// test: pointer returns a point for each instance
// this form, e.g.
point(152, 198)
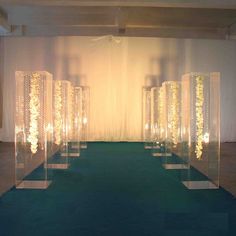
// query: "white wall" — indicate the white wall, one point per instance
point(115, 69)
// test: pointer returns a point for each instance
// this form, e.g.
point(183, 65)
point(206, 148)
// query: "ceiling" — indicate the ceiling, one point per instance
point(169, 18)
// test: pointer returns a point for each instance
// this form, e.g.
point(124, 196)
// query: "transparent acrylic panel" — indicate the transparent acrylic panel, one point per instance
point(154, 118)
point(201, 129)
point(77, 118)
point(160, 144)
point(60, 125)
point(33, 128)
point(71, 113)
point(146, 117)
point(172, 91)
point(75, 151)
point(85, 116)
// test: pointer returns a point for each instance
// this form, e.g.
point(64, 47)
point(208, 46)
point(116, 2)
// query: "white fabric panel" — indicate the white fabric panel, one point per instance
point(115, 69)
point(1, 80)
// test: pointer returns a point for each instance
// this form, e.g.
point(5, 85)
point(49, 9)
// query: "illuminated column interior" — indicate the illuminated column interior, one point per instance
point(33, 126)
point(85, 116)
point(200, 128)
point(173, 99)
point(57, 95)
point(146, 117)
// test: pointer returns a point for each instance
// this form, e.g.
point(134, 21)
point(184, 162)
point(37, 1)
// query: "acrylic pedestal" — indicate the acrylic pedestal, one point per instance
point(146, 117)
point(171, 95)
point(61, 120)
point(57, 160)
point(85, 117)
point(73, 150)
point(159, 150)
point(33, 129)
point(200, 125)
point(75, 145)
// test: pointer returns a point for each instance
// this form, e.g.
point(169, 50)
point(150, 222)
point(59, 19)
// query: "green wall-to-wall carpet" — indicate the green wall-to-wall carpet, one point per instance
point(117, 189)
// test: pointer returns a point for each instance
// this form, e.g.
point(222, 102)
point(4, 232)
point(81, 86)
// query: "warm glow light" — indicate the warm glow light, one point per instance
point(18, 129)
point(162, 130)
point(199, 116)
point(206, 137)
point(85, 120)
point(34, 109)
point(49, 128)
point(160, 108)
point(71, 114)
point(57, 110)
point(174, 111)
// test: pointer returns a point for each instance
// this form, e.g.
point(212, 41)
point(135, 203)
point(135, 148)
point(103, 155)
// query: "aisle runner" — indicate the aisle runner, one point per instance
point(117, 189)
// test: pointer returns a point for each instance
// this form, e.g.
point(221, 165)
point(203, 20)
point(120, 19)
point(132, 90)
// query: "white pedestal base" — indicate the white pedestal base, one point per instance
point(72, 154)
point(34, 184)
point(83, 146)
point(57, 166)
point(200, 185)
point(175, 166)
point(160, 154)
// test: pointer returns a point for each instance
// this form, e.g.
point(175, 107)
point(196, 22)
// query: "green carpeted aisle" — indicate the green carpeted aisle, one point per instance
point(117, 189)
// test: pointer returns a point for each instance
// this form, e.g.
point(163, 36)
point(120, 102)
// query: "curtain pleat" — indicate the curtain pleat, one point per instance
point(116, 69)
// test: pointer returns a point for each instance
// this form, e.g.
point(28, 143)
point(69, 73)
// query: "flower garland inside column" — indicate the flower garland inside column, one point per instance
point(57, 110)
point(34, 109)
point(174, 111)
point(71, 111)
point(199, 116)
point(160, 107)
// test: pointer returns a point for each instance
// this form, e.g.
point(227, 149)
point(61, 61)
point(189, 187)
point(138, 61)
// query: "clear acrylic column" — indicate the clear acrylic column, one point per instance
point(75, 107)
point(160, 142)
point(201, 130)
point(172, 91)
point(85, 117)
point(60, 125)
point(65, 121)
point(146, 117)
point(154, 120)
point(33, 129)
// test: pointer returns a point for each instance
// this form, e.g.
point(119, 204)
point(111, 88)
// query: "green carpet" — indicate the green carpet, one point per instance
point(117, 189)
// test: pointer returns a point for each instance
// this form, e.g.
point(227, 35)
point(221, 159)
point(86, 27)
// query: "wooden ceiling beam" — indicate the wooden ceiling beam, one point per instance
point(164, 32)
point(224, 4)
point(79, 19)
point(122, 16)
point(71, 17)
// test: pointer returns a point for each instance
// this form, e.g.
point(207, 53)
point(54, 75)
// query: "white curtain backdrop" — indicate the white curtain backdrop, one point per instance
point(115, 69)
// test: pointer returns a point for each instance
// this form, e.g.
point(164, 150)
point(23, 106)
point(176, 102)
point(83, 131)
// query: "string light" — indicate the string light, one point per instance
point(71, 110)
point(34, 109)
point(199, 117)
point(174, 112)
point(58, 110)
point(206, 138)
point(146, 126)
point(160, 108)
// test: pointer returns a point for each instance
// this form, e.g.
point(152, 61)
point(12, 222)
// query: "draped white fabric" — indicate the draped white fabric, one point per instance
point(115, 69)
